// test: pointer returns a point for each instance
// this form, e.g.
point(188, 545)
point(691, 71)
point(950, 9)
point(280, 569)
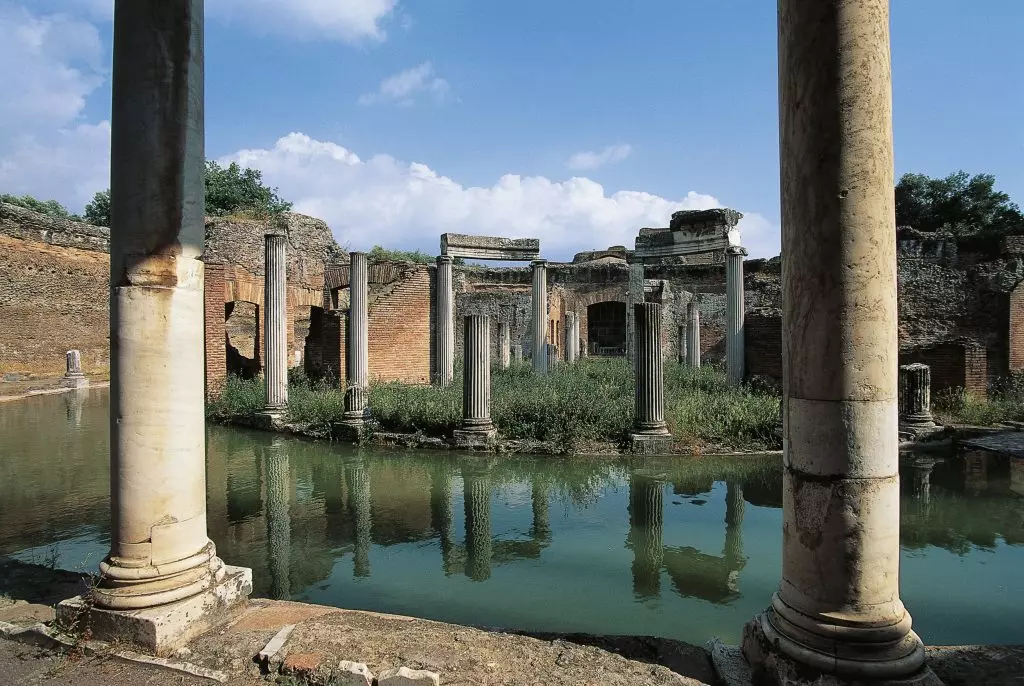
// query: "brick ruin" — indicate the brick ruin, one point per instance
point(961, 305)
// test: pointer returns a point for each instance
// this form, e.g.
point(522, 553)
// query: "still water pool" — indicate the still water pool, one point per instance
point(685, 548)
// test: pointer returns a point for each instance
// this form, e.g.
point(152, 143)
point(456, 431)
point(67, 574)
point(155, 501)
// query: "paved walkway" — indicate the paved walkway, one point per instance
point(1008, 442)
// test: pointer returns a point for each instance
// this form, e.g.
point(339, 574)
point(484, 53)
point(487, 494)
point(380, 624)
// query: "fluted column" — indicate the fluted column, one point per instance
point(275, 322)
point(693, 335)
point(734, 339)
point(838, 608)
point(445, 330)
point(279, 523)
point(569, 331)
point(358, 480)
point(477, 502)
point(635, 296)
point(650, 378)
point(915, 403)
point(159, 552)
point(646, 524)
point(504, 345)
point(476, 379)
point(357, 358)
point(73, 376)
point(540, 316)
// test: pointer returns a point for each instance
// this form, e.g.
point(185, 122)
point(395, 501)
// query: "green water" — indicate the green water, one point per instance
point(682, 548)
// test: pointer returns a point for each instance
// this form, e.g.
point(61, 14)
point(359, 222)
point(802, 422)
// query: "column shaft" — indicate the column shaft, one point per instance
point(650, 378)
point(570, 337)
point(838, 608)
point(504, 345)
point(160, 551)
point(275, 322)
point(540, 316)
point(734, 343)
point(445, 330)
point(358, 354)
point(915, 382)
point(634, 296)
point(476, 384)
point(693, 335)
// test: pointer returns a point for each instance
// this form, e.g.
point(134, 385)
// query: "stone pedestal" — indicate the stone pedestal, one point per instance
point(692, 335)
point(477, 428)
point(275, 324)
point(915, 396)
point(504, 345)
point(540, 316)
point(162, 582)
point(73, 377)
point(650, 433)
point(837, 616)
point(571, 337)
point(358, 355)
point(734, 344)
point(445, 332)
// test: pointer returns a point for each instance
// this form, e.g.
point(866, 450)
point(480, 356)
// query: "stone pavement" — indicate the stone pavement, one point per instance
point(1008, 442)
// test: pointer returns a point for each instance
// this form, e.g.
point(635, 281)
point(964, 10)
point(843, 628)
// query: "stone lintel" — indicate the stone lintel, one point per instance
point(650, 444)
point(482, 438)
point(669, 243)
point(705, 220)
point(490, 247)
point(163, 629)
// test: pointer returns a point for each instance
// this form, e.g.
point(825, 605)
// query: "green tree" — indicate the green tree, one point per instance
point(98, 210)
point(961, 204)
point(51, 208)
point(233, 190)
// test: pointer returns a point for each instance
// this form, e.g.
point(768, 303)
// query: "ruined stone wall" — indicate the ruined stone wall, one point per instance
point(400, 309)
point(53, 294)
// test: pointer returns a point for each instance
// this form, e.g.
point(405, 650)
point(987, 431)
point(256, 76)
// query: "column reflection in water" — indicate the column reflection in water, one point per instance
point(646, 520)
point(279, 534)
point(541, 515)
point(358, 478)
point(733, 551)
point(976, 471)
point(1017, 475)
point(477, 498)
point(442, 519)
point(74, 401)
point(921, 486)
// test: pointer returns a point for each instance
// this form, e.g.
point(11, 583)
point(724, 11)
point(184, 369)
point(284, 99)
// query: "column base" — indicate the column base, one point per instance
point(650, 443)
point(271, 418)
point(74, 381)
point(354, 418)
point(164, 628)
point(475, 438)
point(770, 656)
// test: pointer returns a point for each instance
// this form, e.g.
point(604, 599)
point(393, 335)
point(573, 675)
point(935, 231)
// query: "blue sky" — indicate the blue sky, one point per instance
point(574, 121)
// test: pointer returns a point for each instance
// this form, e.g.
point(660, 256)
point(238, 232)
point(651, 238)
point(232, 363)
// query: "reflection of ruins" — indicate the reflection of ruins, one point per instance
point(74, 401)
point(279, 532)
point(646, 517)
point(477, 499)
point(441, 515)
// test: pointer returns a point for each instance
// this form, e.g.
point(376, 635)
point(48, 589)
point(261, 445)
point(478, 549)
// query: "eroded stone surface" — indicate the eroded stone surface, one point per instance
point(403, 676)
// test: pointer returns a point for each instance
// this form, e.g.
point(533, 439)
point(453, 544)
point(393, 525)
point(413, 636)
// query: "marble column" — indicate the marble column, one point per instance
point(646, 524)
point(693, 335)
point(275, 323)
point(915, 383)
point(570, 337)
point(650, 377)
point(634, 296)
point(477, 503)
point(357, 359)
point(445, 331)
point(838, 610)
point(734, 341)
point(476, 382)
point(73, 376)
point(357, 478)
point(540, 316)
point(279, 522)
point(162, 567)
point(504, 345)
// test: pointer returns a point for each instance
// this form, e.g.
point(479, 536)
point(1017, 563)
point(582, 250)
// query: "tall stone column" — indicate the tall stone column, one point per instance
point(445, 330)
point(646, 525)
point(693, 335)
point(540, 316)
point(73, 376)
point(504, 345)
point(358, 354)
point(275, 323)
point(162, 582)
point(476, 425)
point(477, 502)
point(650, 434)
point(634, 296)
point(915, 405)
point(734, 342)
point(570, 337)
point(837, 611)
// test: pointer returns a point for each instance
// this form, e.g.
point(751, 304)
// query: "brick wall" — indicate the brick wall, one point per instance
point(762, 331)
point(955, 364)
point(400, 328)
point(1015, 333)
point(214, 329)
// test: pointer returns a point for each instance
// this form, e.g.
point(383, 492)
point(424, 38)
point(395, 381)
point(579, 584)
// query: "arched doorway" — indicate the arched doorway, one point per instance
point(606, 329)
point(242, 338)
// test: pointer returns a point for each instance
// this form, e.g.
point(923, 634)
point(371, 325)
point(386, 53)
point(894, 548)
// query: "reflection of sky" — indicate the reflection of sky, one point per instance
point(582, 579)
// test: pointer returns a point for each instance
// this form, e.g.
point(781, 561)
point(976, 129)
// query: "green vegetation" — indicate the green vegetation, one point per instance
point(232, 190)
point(381, 254)
point(573, 406)
point(97, 211)
point(961, 204)
point(1004, 403)
point(51, 208)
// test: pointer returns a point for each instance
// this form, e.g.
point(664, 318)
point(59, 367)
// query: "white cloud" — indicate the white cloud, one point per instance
point(584, 161)
point(53, 62)
point(350, 21)
point(381, 200)
point(403, 87)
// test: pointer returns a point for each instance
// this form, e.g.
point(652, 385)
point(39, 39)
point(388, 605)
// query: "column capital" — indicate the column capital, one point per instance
point(539, 263)
point(734, 250)
point(444, 259)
